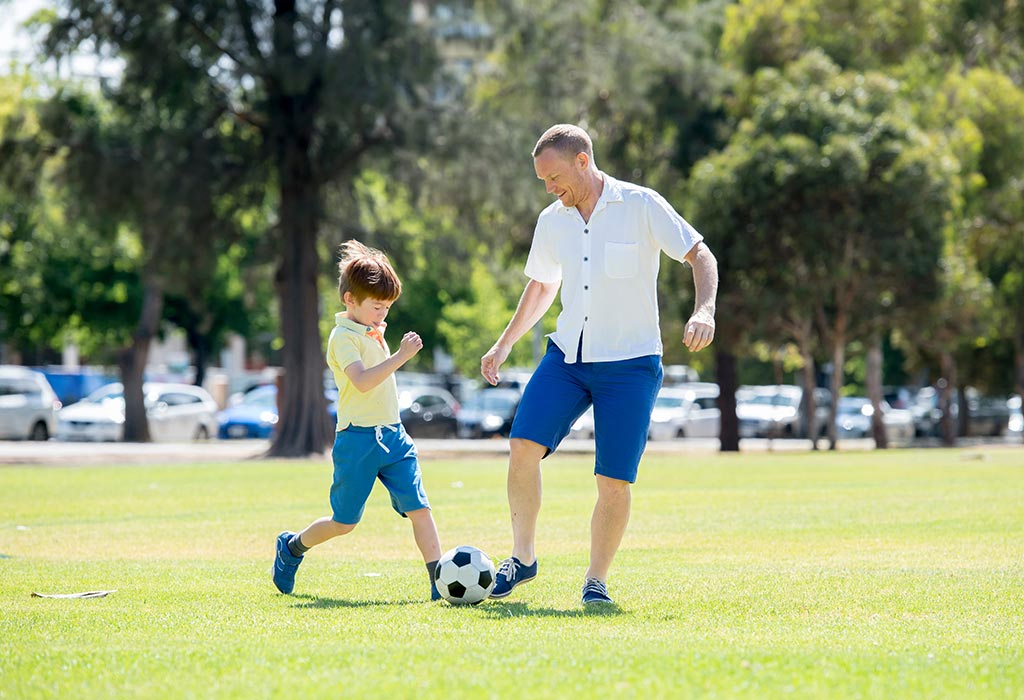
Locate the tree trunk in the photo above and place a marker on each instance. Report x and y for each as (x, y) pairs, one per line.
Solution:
(132, 362)
(946, 384)
(838, 361)
(963, 414)
(875, 392)
(303, 424)
(1018, 361)
(729, 425)
(810, 403)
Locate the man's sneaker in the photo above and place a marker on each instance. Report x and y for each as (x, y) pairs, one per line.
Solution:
(594, 591)
(285, 564)
(510, 574)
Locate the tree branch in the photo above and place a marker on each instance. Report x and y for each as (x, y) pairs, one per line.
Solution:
(207, 38)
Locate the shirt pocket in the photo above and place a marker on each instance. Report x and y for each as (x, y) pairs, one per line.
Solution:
(621, 259)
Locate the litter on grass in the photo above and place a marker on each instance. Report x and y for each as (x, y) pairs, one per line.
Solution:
(87, 594)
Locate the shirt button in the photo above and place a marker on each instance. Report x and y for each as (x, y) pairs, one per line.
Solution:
(586, 318)
(586, 287)
(585, 259)
(586, 230)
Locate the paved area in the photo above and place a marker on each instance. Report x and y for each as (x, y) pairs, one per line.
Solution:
(81, 453)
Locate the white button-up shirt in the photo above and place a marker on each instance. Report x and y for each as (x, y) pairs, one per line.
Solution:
(608, 268)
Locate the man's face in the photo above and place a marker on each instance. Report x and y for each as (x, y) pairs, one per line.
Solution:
(563, 176)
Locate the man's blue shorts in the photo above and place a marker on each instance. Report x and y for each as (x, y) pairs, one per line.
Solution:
(363, 455)
(621, 392)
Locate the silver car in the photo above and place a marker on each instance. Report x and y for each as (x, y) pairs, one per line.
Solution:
(176, 413)
(28, 404)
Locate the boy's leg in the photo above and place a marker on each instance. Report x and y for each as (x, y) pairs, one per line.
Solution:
(424, 530)
(319, 531)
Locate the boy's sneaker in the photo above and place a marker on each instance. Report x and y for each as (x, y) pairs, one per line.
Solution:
(285, 564)
(594, 591)
(510, 574)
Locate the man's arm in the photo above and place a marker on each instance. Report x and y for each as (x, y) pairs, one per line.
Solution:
(700, 329)
(536, 300)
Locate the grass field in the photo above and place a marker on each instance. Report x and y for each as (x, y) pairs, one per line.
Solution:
(862, 575)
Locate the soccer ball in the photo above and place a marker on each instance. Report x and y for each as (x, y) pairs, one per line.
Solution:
(464, 575)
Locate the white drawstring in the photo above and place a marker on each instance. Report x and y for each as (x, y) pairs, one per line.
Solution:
(378, 432)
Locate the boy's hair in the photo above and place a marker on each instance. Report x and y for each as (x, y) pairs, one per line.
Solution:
(567, 139)
(366, 273)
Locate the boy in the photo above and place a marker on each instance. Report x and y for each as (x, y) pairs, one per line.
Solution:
(371, 442)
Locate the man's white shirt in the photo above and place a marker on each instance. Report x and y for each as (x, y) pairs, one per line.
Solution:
(608, 269)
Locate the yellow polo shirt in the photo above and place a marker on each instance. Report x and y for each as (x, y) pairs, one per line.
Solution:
(349, 343)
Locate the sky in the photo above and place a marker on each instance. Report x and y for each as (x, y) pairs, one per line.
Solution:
(16, 43)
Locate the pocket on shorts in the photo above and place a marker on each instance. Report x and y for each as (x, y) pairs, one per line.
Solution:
(621, 259)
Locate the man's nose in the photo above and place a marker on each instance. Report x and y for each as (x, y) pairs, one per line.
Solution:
(550, 187)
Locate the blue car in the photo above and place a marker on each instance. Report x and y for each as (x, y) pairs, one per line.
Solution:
(255, 416)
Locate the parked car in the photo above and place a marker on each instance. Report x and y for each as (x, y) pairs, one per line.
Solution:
(583, 428)
(1015, 424)
(686, 410)
(28, 405)
(986, 416)
(176, 412)
(252, 415)
(776, 411)
(488, 413)
(428, 411)
(853, 419)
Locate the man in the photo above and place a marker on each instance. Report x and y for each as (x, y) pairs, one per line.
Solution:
(601, 242)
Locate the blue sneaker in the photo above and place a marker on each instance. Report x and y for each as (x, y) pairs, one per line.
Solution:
(510, 574)
(285, 564)
(594, 591)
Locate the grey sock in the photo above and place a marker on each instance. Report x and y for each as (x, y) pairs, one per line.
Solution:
(432, 569)
(296, 547)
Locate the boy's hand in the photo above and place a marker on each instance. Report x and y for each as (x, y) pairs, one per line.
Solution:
(411, 344)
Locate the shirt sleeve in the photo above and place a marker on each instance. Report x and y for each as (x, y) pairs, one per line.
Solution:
(344, 350)
(671, 232)
(542, 263)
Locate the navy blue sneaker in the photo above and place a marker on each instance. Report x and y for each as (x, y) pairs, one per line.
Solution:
(285, 564)
(510, 574)
(594, 591)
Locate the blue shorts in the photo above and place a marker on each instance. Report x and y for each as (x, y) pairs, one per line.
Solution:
(363, 455)
(621, 392)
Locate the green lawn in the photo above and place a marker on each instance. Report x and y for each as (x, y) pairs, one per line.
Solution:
(880, 575)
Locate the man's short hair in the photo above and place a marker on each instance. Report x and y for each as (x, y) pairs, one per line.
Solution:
(367, 273)
(567, 139)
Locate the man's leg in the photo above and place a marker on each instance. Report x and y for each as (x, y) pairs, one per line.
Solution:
(524, 496)
(608, 524)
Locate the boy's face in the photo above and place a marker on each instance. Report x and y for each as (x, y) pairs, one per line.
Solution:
(369, 312)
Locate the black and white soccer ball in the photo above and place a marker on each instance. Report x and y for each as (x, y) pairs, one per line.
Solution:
(464, 575)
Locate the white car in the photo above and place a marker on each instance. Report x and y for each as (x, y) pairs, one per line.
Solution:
(686, 410)
(28, 404)
(853, 419)
(1015, 426)
(176, 413)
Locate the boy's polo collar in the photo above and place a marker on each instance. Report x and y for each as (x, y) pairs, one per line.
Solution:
(343, 321)
(611, 192)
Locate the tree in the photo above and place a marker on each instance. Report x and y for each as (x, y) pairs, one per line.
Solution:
(832, 204)
(320, 84)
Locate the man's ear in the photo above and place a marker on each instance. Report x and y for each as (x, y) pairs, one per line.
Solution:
(582, 160)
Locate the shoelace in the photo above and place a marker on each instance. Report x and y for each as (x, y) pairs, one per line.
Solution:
(592, 585)
(378, 432)
(508, 569)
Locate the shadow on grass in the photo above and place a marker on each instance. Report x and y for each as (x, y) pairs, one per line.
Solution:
(310, 602)
(499, 609)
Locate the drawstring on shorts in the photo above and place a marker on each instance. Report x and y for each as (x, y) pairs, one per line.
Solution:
(378, 432)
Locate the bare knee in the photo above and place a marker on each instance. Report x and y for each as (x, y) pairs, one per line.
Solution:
(525, 452)
(339, 529)
(612, 488)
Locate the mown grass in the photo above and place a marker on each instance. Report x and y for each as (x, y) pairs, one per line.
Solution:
(878, 575)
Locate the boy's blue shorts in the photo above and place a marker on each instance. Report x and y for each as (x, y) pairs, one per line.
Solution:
(363, 455)
(621, 392)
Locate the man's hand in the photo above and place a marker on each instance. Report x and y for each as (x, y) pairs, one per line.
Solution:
(700, 331)
(490, 363)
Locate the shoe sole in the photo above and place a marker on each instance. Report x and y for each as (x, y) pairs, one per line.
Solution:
(599, 601)
(518, 583)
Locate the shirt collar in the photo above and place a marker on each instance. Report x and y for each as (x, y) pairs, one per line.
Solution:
(343, 321)
(611, 192)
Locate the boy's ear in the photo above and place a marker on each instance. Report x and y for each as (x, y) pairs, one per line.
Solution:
(348, 300)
